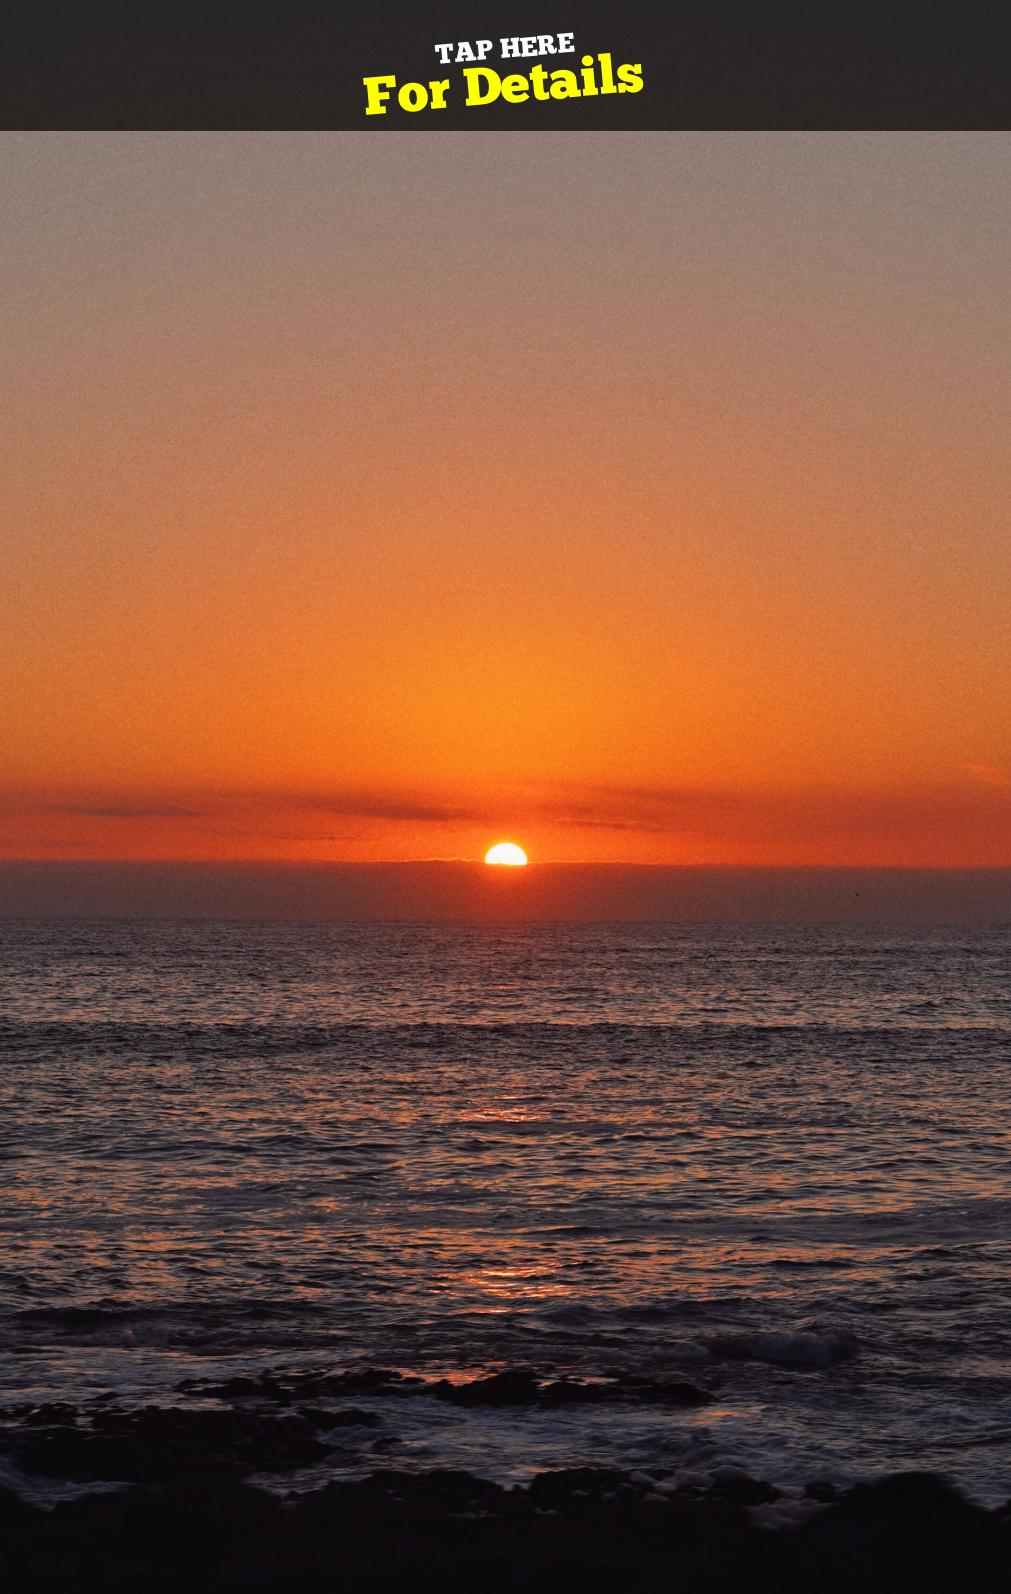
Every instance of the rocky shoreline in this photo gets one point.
(162, 1498)
(581, 1529)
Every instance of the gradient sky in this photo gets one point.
(641, 497)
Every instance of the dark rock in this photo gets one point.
(514, 1387)
(386, 1494)
(365, 1381)
(159, 1445)
(265, 1387)
(283, 1388)
(912, 1526)
(821, 1489)
(15, 1514)
(582, 1486)
(731, 1484)
(913, 1490)
(668, 1392)
(444, 1486)
(49, 1414)
(568, 1392)
(591, 1529)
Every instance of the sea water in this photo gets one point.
(771, 1163)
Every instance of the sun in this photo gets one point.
(506, 852)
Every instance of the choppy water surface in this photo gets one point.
(771, 1162)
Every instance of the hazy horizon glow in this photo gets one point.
(643, 495)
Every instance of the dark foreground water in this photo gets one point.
(729, 1196)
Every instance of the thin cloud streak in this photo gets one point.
(965, 818)
(987, 774)
(127, 811)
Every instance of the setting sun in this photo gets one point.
(506, 852)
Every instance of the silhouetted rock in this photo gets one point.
(569, 1392)
(514, 1387)
(590, 1529)
(733, 1483)
(283, 1388)
(156, 1444)
(822, 1490)
(667, 1392)
(582, 1486)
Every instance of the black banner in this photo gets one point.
(544, 65)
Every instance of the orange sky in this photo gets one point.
(640, 497)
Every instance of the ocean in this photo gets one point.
(672, 1199)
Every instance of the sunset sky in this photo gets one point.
(636, 497)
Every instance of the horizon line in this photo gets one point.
(478, 862)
